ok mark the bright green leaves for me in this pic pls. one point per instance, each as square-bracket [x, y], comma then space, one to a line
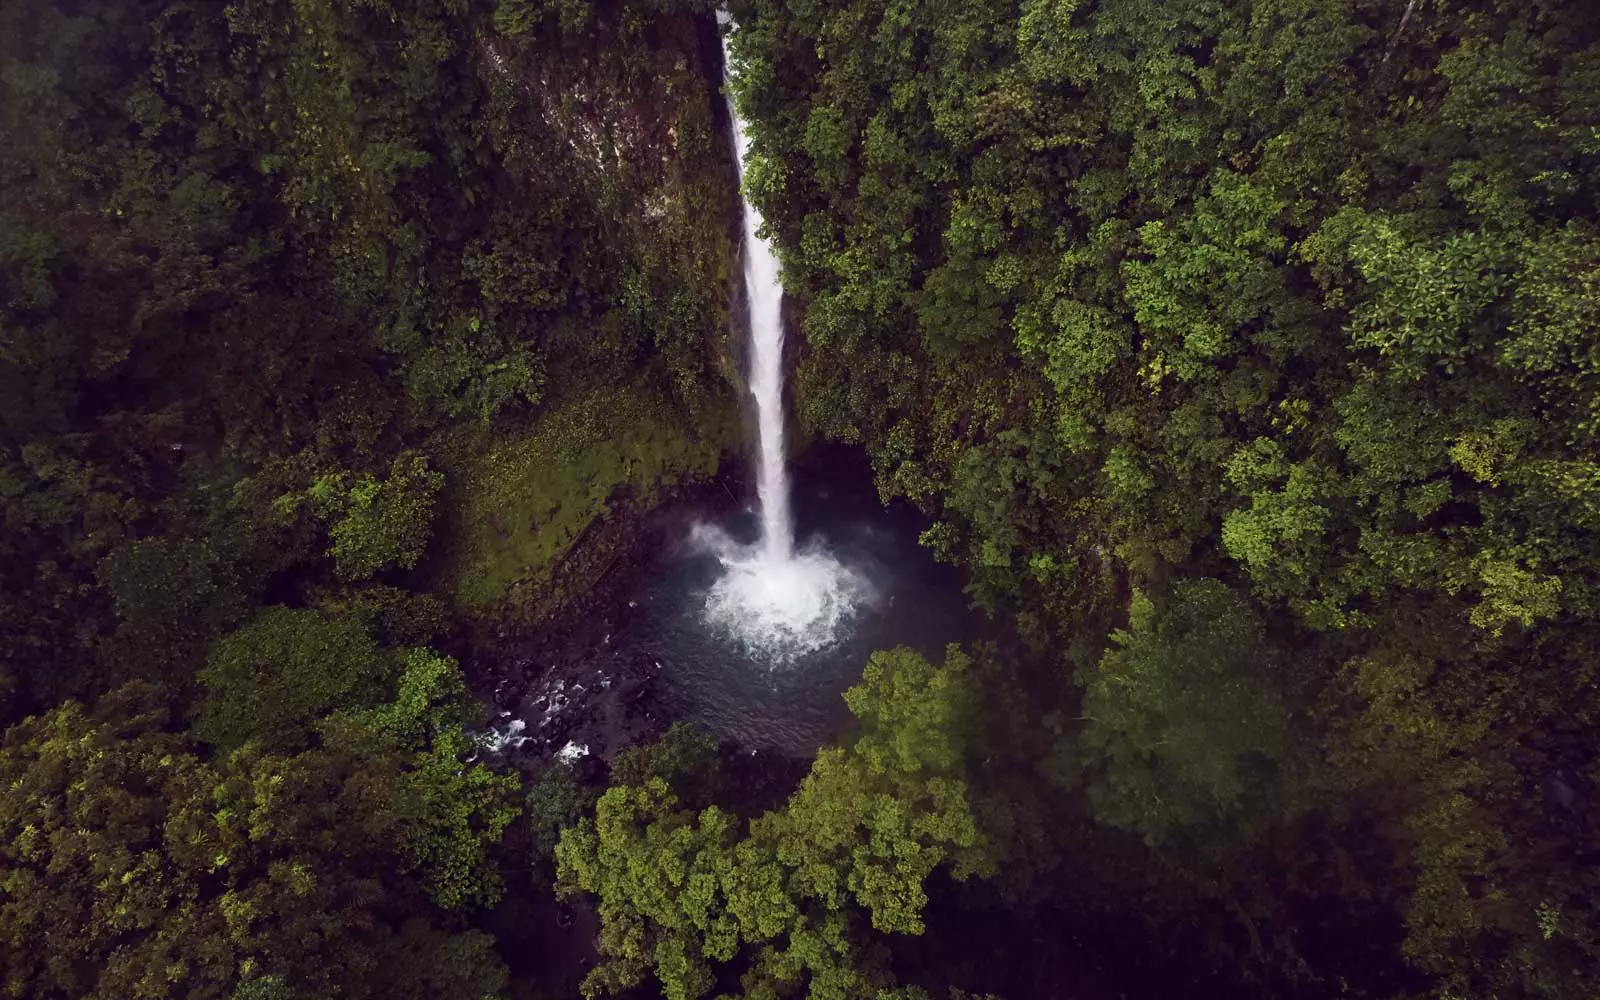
[430, 695]
[828, 139]
[911, 713]
[1302, 310]
[681, 891]
[1127, 481]
[1488, 454]
[1512, 593]
[457, 811]
[1428, 298]
[1208, 278]
[1051, 46]
[306, 680]
[100, 826]
[133, 869]
[1084, 343]
[656, 870]
[1279, 537]
[375, 524]
[1553, 347]
[457, 814]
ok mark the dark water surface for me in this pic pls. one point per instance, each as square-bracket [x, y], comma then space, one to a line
[708, 678]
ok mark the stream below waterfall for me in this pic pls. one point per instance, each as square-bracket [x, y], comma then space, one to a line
[649, 654]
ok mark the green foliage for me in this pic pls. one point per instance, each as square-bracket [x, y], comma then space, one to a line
[1187, 716]
[683, 891]
[132, 868]
[395, 617]
[270, 262]
[295, 680]
[1262, 329]
[460, 812]
[875, 820]
[523, 503]
[376, 524]
[684, 757]
[270, 267]
[269, 681]
[1277, 316]
[556, 800]
[170, 596]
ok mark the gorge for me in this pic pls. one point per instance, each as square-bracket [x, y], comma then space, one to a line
[430, 568]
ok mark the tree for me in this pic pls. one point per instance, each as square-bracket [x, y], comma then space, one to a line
[683, 892]
[271, 680]
[376, 524]
[1187, 716]
[315, 253]
[133, 868]
[1274, 315]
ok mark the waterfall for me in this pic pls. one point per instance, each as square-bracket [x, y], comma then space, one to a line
[777, 602]
[765, 295]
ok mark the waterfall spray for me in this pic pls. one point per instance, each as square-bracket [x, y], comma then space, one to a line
[778, 602]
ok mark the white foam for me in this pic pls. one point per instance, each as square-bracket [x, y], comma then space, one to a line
[501, 740]
[780, 609]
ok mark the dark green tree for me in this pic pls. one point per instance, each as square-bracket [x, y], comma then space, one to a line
[1286, 301]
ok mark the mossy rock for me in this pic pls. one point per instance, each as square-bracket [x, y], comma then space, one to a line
[520, 505]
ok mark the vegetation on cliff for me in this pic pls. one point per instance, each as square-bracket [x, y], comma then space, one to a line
[282, 286]
[1242, 351]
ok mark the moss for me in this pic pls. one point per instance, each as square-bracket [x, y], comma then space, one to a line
[519, 506]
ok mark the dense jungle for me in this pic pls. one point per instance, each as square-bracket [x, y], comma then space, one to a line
[1238, 359]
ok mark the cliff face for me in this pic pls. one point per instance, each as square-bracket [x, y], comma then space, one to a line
[617, 121]
[634, 103]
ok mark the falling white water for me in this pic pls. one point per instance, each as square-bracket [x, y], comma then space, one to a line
[765, 295]
[780, 604]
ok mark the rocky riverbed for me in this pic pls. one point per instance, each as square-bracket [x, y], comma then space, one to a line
[542, 666]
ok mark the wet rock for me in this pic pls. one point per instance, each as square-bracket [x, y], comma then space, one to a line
[550, 662]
